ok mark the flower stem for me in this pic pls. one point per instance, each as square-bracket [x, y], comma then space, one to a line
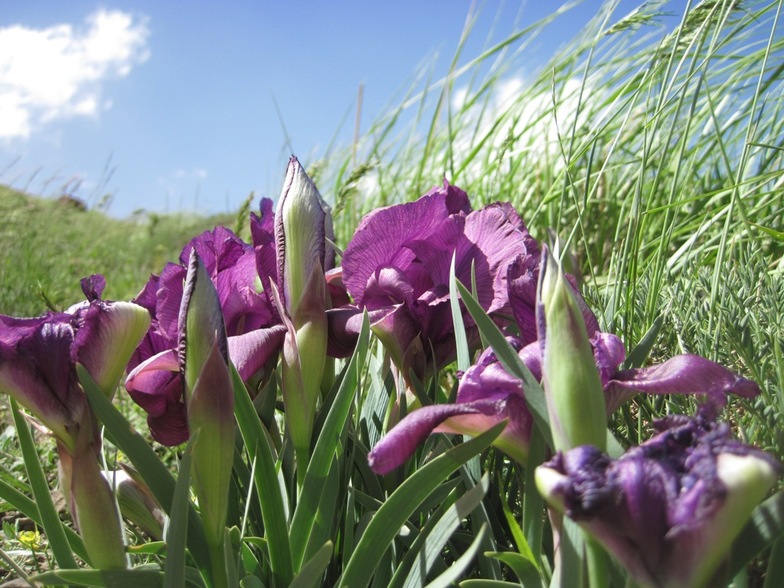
[303, 459]
[218, 561]
[596, 559]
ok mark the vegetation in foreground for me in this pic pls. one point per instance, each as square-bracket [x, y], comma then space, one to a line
[654, 151]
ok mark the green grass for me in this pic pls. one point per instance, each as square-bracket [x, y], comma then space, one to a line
[49, 246]
[657, 149]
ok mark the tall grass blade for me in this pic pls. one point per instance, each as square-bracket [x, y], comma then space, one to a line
[459, 566]
[61, 548]
[463, 357]
[177, 529]
[440, 526]
[266, 479]
[393, 513]
[311, 574]
[30, 509]
[765, 527]
[140, 576]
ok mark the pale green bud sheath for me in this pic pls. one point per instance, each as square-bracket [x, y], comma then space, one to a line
[572, 384]
[209, 401]
[747, 478]
[302, 226]
[96, 513]
[136, 501]
[116, 329]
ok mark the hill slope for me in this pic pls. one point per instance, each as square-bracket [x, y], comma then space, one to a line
[47, 246]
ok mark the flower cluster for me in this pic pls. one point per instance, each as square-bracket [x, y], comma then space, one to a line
[231, 317]
[396, 267]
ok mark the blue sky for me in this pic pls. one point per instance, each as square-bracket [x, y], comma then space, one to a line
[172, 105]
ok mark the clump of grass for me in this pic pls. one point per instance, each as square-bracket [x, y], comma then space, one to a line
[652, 141]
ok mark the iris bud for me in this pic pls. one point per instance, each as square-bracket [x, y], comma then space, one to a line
[572, 384]
[303, 225]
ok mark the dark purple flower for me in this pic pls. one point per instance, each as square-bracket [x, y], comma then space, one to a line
[487, 395]
[38, 358]
[252, 324]
[397, 268]
[669, 509]
[682, 374]
[488, 390]
[36, 369]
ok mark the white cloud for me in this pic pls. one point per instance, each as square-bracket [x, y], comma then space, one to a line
[196, 173]
[533, 116]
[57, 73]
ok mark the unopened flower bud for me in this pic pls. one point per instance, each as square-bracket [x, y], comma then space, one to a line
[572, 384]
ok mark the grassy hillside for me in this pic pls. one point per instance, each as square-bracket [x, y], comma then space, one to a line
[49, 245]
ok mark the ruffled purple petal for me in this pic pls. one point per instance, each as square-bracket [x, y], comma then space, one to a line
[36, 369]
[485, 240]
[169, 298]
[243, 308]
[344, 325]
[404, 438]
[337, 290]
[93, 286]
[380, 239]
[522, 279]
[387, 286]
[487, 379]
[262, 225]
[263, 235]
[251, 351]
[496, 239]
[148, 297]
[156, 386]
[219, 250]
[531, 355]
[609, 353]
[514, 440]
[682, 374]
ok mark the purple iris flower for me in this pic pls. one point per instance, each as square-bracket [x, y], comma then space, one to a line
[488, 394]
[38, 357]
[397, 268]
[682, 374]
[669, 509]
[254, 329]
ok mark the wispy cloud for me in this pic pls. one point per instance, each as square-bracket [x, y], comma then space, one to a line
[534, 115]
[58, 72]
